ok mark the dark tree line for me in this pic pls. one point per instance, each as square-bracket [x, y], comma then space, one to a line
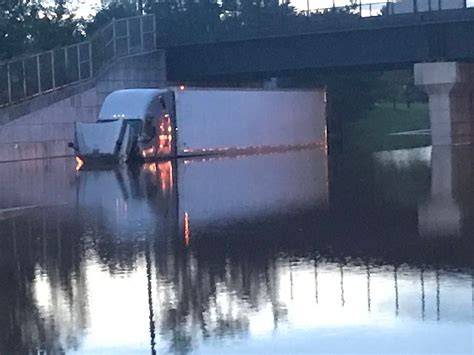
[186, 18]
[33, 26]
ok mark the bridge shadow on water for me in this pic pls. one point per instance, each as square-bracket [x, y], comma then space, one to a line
[277, 252]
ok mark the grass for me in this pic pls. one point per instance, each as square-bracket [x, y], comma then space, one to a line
[373, 133]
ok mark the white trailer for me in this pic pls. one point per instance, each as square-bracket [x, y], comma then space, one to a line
[176, 122]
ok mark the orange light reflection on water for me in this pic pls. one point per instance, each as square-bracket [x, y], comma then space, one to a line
[165, 171]
[187, 232]
[166, 175]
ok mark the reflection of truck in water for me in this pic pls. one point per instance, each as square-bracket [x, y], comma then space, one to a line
[154, 124]
[175, 195]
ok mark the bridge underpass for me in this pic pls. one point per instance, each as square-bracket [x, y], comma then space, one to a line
[136, 58]
[438, 45]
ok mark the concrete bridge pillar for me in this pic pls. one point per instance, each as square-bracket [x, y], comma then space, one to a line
[450, 88]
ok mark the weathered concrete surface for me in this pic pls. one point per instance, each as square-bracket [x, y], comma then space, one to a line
[42, 127]
[450, 88]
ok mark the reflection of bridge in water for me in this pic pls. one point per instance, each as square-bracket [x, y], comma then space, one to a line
[447, 208]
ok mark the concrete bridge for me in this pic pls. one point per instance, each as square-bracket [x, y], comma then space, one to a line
[42, 95]
[345, 43]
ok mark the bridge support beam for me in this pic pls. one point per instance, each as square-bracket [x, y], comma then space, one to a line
[450, 88]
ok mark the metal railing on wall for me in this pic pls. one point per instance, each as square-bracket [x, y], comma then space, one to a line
[29, 76]
[366, 8]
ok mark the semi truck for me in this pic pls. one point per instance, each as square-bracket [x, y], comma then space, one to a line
[147, 124]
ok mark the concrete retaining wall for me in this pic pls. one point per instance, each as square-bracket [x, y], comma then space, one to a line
[42, 127]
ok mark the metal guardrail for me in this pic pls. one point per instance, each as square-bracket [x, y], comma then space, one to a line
[360, 8]
[29, 76]
[366, 8]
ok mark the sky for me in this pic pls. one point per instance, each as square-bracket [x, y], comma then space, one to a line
[321, 4]
[85, 8]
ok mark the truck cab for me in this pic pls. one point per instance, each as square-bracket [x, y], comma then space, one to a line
[132, 125]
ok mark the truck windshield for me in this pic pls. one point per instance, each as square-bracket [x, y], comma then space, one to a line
[105, 121]
[116, 119]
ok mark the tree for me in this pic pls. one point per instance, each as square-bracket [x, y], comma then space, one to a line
[27, 27]
[114, 10]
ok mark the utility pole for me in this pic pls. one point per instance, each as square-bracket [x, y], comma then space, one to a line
[140, 7]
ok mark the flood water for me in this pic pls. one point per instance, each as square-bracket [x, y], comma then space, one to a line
[286, 253]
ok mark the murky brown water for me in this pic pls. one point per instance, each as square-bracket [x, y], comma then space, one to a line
[276, 253]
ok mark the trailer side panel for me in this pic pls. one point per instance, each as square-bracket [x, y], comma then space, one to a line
[218, 120]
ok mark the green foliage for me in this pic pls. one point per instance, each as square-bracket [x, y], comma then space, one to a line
[350, 94]
[27, 27]
[398, 87]
[115, 10]
[192, 20]
[373, 132]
